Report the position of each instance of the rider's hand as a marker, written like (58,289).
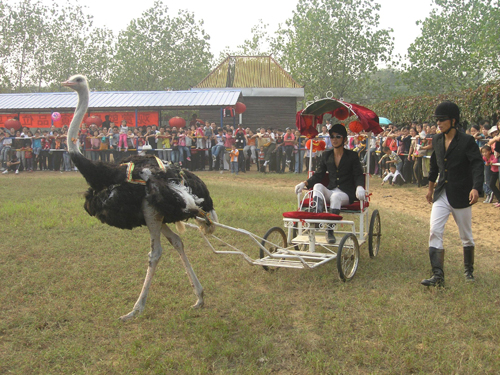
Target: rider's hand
(300,187)
(360,193)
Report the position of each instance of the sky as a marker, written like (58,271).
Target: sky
(229,22)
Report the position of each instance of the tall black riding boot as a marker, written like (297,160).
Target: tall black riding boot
(318,204)
(330,237)
(437,262)
(469,263)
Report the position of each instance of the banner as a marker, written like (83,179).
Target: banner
(44,120)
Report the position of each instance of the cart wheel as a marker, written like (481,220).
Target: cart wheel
(374,234)
(348,257)
(277,239)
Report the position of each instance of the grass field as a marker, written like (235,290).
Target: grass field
(66,278)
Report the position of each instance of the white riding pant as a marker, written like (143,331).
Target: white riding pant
(336,198)
(441,210)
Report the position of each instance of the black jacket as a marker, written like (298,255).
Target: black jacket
(460,168)
(346,177)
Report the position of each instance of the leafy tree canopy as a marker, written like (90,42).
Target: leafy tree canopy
(458,49)
(160,52)
(332,45)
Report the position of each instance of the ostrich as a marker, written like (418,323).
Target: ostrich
(141,191)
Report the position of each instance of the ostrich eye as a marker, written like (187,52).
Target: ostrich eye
(78,80)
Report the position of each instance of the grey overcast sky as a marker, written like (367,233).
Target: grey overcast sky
(228,22)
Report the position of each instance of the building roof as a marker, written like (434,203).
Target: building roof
(193,99)
(249,72)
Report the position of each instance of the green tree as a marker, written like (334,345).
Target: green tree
(22,29)
(159,52)
(459,47)
(332,45)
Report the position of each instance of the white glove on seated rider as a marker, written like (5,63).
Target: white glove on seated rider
(300,187)
(360,193)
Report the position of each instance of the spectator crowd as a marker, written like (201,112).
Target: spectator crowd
(399,155)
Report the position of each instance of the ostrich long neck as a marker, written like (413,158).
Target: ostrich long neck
(81,108)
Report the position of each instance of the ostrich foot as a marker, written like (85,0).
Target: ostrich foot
(199,304)
(131,315)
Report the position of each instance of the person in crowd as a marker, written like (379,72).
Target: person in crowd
(163,143)
(122,141)
(65,155)
(95,144)
(234,158)
(13,164)
(104,145)
(18,148)
(200,136)
(250,149)
(106,123)
(394,177)
(37,149)
(183,148)
(6,140)
(261,160)
(57,153)
(298,150)
(458,162)
(346,178)
(268,140)
(390,157)
(279,151)
(491,174)
(288,144)
(239,142)
(174,144)
(114,139)
(325,136)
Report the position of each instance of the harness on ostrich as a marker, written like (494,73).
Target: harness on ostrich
(139,181)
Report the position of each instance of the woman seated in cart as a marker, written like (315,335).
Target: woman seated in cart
(346,178)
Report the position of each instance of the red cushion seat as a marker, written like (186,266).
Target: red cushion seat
(303,215)
(354,206)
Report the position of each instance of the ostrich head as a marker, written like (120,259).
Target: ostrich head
(80,85)
(77,82)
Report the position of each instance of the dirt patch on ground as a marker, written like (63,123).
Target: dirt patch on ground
(407,199)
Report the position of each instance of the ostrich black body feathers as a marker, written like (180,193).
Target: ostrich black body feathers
(117,202)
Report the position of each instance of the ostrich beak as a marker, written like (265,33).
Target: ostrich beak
(68,83)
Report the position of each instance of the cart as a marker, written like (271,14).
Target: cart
(301,243)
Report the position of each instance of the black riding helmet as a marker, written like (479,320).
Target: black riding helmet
(448,109)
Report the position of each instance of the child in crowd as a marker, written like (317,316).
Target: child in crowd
(262,157)
(207,131)
(95,143)
(390,158)
(122,142)
(83,135)
(200,134)
(394,177)
(234,158)
(28,155)
(491,175)
(37,148)
(13,164)
(66,158)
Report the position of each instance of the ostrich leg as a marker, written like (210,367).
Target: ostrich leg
(176,242)
(154,223)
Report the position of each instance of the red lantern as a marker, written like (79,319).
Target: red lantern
(240,108)
(93,120)
(11,123)
(178,122)
(355,126)
(341,113)
(317,145)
